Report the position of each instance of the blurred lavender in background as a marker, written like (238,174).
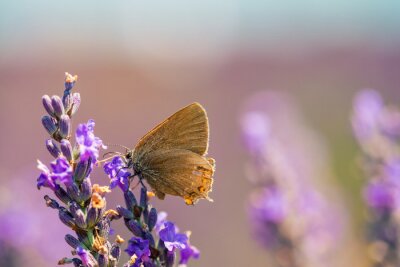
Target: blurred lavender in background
(22,227)
(290,214)
(376,127)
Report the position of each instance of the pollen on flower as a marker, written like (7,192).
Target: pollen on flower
(70,78)
(97,201)
(133,259)
(103,250)
(101,190)
(111,213)
(99,243)
(119,239)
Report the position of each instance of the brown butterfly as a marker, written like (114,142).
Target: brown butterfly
(172,156)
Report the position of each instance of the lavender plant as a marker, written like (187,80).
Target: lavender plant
(297,224)
(376,127)
(82,206)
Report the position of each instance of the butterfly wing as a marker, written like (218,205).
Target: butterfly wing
(186,129)
(179,172)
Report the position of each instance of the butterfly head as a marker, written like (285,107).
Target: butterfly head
(131,163)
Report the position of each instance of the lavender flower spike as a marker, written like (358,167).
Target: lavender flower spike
(376,128)
(82,207)
(290,216)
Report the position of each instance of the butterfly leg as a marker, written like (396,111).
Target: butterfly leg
(122,168)
(141,180)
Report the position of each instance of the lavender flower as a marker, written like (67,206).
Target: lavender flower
(62,170)
(139,249)
(187,253)
(376,128)
(82,205)
(152,231)
(117,172)
(89,144)
(45,178)
(69,178)
(172,239)
(297,224)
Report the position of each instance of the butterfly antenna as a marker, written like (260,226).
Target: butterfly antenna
(126,148)
(113,154)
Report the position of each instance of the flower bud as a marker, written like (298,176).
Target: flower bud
(51,202)
(148,236)
(47,105)
(66,218)
(76,101)
(72,241)
(152,219)
(77,262)
(91,218)
(52,147)
(135,228)
(66,149)
(57,105)
(49,124)
(103,260)
(143,198)
(73,191)
(86,189)
(67,101)
(70,81)
(130,200)
(62,195)
(65,126)
(80,219)
(81,170)
(124,212)
(116,251)
(170,259)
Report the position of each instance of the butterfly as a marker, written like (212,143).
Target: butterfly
(172,156)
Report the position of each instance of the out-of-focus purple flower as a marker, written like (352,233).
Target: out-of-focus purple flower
(267,210)
(389,122)
(379,195)
(375,126)
(367,106)
(268,205)
(62,170)
(139,247)
(287,213)
(89,144)
(255,131)
(171,238)
(188,252)
(116,170)
(377,130)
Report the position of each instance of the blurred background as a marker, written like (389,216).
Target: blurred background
(139,61)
